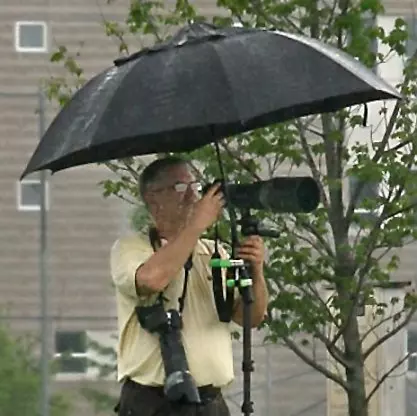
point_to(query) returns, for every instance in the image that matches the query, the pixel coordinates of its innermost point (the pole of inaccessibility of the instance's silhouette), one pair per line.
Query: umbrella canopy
(204, 84)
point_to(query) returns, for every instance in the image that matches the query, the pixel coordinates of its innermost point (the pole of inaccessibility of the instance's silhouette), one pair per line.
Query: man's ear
(148, 198)
(152, 203)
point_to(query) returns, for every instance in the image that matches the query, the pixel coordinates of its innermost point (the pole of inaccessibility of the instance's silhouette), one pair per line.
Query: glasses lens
(182, 187)
(196, 186)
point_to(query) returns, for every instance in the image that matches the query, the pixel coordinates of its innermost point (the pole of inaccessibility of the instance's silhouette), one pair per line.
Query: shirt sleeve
(127, 255)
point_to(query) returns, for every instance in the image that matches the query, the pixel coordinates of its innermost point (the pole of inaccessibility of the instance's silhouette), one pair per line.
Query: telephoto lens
(299, 194)
(179, 383)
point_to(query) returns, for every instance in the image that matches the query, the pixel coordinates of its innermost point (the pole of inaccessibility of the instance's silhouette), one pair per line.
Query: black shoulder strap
(224, 306)
(155, 241)
(187, 267)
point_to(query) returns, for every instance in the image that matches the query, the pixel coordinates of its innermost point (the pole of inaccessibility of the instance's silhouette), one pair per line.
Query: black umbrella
(204, 84)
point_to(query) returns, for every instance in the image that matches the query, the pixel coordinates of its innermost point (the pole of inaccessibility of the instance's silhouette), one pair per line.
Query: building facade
(81, 225)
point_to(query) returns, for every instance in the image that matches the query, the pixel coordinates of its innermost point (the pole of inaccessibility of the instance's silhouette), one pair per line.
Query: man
(141, 269)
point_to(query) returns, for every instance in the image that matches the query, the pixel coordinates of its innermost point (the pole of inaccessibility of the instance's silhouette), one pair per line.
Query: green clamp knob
(230, 283)
(245, 282)
(223, 263)
(226, 263)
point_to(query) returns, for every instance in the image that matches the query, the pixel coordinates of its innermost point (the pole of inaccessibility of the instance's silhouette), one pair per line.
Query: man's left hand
(252, 249)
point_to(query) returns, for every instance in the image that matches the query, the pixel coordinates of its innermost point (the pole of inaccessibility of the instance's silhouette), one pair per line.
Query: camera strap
(224, 306)
(155, 241)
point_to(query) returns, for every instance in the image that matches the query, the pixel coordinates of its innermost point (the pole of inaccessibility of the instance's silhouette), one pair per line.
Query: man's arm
(259, 306)
(139, 273)
(157, 272)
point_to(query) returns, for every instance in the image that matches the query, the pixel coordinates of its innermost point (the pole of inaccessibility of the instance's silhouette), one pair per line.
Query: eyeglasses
(182, 187)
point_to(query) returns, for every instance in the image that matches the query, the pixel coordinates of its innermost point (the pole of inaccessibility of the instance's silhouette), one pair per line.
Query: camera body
(179, 385)
(155, 319)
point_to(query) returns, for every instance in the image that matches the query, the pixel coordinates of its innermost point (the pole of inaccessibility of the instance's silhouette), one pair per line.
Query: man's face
(174, 194)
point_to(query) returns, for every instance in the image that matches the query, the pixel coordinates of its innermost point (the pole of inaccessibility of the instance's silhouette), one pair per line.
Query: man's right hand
(208, 209)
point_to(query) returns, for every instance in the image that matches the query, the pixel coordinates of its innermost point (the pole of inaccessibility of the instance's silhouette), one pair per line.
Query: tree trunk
(355, 373)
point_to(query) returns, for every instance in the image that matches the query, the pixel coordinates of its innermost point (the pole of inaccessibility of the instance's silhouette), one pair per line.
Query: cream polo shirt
(207, 341)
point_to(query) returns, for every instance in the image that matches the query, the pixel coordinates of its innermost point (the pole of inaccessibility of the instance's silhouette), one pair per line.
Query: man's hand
(208, 209)
(252, 249)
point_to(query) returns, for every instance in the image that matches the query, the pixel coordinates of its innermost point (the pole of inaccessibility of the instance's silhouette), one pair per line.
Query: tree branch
(243, 162)
(318, 297)
(324, 304)
(132, 171)
(311, 362)
(258, 9)
(312, 165)
(333, 12)
(386, 375)
(388, 131)
(402, 144)
(313, 230)
(344, 7)
(332, 348)
(390, 334)
(384, 253)
(335, 211)
(312, 243)
(117, 34)
(375, 232)
(380, 151)
(382, 321)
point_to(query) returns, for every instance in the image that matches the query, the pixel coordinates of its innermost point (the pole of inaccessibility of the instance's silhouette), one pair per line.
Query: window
(411, 191)
(411, 44)
(85, 355)
(369, 21)
(410, 200)
(370, 190)
(31, 37)
(29, 195)
(71, 352)
(412, 350)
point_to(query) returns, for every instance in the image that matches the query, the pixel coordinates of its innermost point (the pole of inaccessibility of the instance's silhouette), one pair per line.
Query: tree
(335, 245)
(20, 379)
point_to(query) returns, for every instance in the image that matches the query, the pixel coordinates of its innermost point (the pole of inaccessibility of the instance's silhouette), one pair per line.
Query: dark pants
(138, 400)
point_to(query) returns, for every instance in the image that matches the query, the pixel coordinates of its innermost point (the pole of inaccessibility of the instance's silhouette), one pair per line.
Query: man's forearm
(259, 306)
(165, 264)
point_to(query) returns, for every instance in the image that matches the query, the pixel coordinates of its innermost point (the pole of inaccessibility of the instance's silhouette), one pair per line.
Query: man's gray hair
(152, 172)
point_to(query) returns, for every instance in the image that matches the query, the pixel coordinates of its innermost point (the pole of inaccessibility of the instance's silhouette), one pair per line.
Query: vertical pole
(43, 273)
(268, 381)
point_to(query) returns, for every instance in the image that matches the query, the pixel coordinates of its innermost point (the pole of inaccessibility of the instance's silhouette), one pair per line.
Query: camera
(179, 385)
(299, 194)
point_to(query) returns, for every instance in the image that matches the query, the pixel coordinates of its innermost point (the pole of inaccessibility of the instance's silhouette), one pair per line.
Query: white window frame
(107, 338)
(364, 211)
(26, 49)
(413, 354)
(64, 375)
(58, 355)
(31, 208)
(382, 190)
